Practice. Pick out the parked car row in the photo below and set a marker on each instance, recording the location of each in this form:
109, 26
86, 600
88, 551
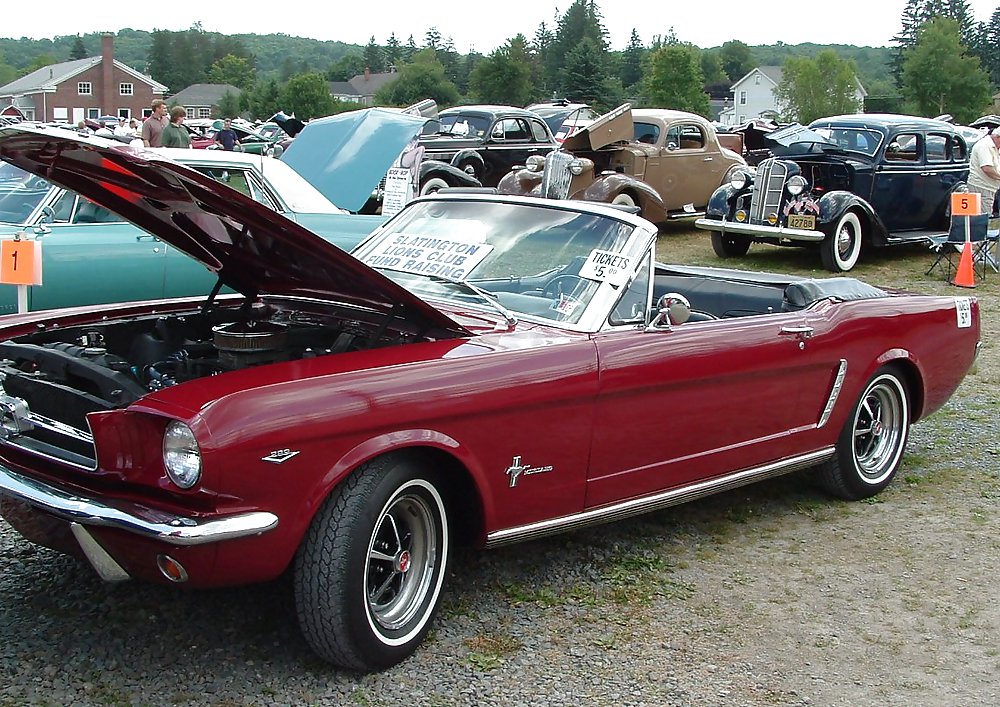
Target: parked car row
483, 369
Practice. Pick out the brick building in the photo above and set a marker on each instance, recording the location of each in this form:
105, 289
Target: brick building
83, 88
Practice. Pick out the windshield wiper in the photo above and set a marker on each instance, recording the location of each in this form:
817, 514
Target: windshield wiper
490, 298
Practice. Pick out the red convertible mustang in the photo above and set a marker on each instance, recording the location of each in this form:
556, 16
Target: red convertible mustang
484, 369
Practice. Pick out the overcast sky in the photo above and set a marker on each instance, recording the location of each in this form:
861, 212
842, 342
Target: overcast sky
484, 26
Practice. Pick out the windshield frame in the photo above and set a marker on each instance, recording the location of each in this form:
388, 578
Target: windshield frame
634, 236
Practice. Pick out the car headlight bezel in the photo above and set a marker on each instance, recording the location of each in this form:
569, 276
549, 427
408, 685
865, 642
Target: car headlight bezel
181, 455
740, 180
535, 163
796, 184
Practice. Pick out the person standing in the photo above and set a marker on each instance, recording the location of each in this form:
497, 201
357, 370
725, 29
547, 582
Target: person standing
984, 169
175, 134
227, 136
152, 127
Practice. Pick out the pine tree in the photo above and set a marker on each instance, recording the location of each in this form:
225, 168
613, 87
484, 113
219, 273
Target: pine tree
78, 51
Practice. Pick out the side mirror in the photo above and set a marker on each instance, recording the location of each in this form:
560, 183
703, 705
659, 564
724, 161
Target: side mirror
48, 215
671, 309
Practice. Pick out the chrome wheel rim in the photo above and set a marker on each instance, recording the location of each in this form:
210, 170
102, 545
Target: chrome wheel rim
402, 555
845, 241
879, 430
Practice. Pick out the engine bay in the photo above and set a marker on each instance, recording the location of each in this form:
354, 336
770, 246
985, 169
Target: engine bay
64, 373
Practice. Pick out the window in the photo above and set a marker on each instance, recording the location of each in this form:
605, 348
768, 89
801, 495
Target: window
903, 148
242, 182
125, 113
124, 89
538, 131
937, 148
743, 98
204, 112
93, 113
958, 148
84, 88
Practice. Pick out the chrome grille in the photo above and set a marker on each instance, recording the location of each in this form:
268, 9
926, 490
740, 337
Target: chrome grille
769, 185
27, 430
556, 178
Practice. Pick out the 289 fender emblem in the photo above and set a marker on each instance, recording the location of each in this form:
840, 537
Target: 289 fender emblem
279, 455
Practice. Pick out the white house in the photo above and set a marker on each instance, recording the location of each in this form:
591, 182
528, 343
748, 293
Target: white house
753, 96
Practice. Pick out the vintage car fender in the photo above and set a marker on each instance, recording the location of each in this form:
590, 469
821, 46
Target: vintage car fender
608, 185
719, 204
520, 181
835, 204
469, 156
429, 169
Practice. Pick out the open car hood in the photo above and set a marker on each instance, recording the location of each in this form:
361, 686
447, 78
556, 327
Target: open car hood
797, 134
612, 127
251, 248
345, 156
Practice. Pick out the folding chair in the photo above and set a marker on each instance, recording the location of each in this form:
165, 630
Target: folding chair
949, 246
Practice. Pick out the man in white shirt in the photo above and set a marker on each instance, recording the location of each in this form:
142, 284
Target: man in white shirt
984, 169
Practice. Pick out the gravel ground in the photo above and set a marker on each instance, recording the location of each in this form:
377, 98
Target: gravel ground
769, 595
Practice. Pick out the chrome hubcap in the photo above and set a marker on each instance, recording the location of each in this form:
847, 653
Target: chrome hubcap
878, 432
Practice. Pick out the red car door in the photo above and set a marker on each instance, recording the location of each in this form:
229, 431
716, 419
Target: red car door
704, 398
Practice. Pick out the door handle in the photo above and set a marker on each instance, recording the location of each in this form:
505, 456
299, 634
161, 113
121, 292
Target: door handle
147, 237
803, 332
707, 159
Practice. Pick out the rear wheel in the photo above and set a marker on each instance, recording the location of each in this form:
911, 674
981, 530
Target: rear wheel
871, 443
729, 246
433, 184
369, 573
626, 200
841, 248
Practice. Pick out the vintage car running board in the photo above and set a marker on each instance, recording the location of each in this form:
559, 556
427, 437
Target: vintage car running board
673, 497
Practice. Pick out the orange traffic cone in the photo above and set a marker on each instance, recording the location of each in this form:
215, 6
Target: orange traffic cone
965, 276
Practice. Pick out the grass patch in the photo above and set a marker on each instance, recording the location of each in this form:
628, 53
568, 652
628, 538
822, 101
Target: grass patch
488, 652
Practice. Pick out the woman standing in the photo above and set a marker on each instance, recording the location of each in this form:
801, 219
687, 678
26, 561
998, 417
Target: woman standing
175, 134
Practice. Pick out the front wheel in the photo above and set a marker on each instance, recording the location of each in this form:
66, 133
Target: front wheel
871, 443
729, 246
625, 200
369, 573
841, 248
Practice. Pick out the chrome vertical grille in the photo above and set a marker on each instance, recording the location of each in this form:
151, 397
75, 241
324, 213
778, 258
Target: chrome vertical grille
556, 178
769, 185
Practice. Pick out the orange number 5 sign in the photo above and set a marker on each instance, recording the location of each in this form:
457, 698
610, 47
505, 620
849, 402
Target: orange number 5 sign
965, 204
20, 262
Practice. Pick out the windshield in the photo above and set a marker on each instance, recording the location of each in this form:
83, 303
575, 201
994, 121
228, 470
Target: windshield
853, 139
541, 262
20, 194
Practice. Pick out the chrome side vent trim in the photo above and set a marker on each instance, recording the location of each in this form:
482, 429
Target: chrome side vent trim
838, 383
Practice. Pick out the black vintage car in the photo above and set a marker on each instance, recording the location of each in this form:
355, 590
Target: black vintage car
843, 182
486, 141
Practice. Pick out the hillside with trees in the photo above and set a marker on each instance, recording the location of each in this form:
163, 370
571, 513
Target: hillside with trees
571, 58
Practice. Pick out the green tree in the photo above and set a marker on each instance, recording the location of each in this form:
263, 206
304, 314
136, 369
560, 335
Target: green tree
229, 105
585, 78
674, 79
422, 78
632, 59
582, 20
374, 57
814, 88
737, 59
504, 76
307, 95
939, 76
265, 100
233, 70
346, 68
393, 52
78, 51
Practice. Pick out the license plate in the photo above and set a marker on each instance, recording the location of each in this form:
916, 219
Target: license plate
804, 221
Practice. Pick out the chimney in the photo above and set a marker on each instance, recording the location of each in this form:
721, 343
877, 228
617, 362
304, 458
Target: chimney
109, 91
368, 74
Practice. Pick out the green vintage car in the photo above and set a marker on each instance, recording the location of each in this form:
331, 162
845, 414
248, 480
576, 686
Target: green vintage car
92, 256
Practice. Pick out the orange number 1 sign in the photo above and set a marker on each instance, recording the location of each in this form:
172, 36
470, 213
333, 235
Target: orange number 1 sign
965, 203
20, 262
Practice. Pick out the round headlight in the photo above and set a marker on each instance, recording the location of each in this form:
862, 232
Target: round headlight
796, 185
576, 167
739, 180
181, 455
534, 163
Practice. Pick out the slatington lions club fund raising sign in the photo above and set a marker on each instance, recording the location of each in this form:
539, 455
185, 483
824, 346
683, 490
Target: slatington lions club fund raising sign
450, 258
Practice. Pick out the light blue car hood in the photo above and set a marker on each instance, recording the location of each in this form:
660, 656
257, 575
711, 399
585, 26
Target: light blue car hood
345, 156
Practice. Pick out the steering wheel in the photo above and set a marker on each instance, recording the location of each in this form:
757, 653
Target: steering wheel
560, 285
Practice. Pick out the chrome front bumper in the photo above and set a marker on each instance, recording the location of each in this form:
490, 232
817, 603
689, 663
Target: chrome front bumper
757, 231
132, 517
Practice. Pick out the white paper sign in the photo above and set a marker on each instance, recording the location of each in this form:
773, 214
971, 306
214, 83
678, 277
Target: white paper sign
398, 190
607, 266
963, 309
451, 258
